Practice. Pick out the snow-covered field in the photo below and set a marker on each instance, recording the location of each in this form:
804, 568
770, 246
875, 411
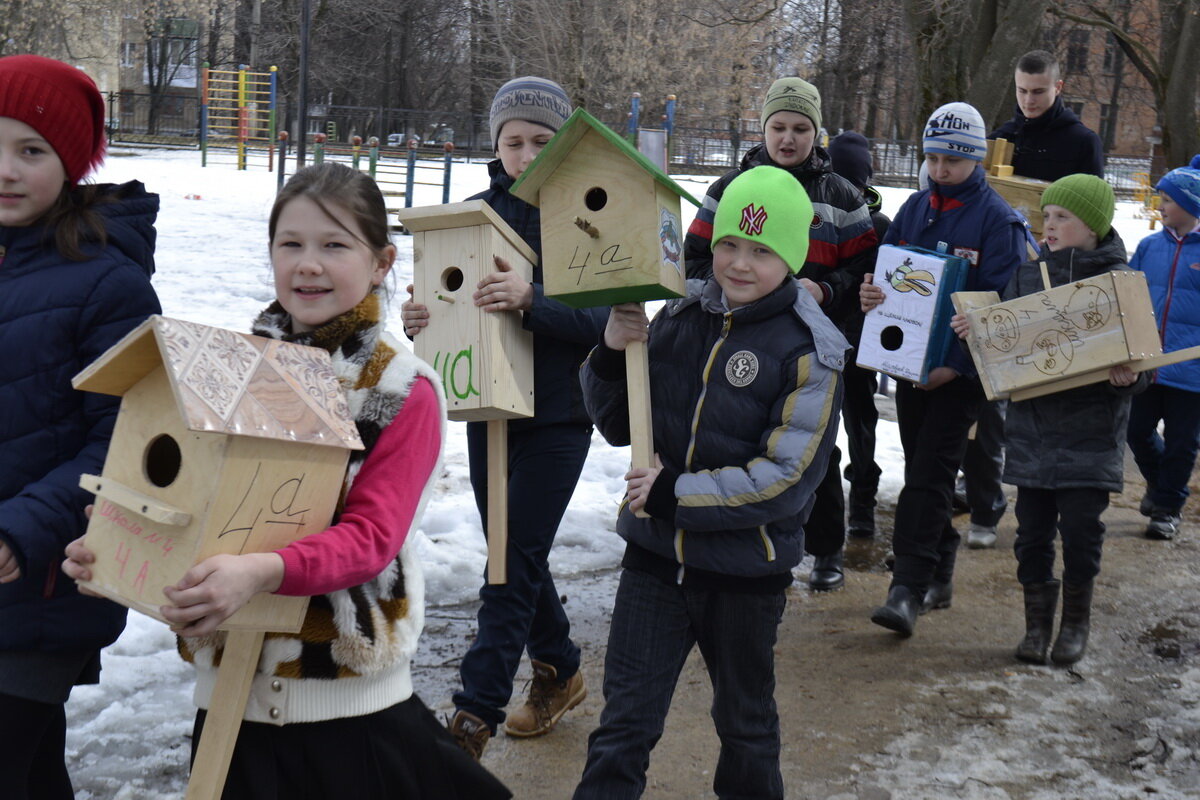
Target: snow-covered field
128, 737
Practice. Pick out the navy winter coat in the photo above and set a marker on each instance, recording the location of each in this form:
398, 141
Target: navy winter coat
562, 336
1076, 438
56, 317
1052, 146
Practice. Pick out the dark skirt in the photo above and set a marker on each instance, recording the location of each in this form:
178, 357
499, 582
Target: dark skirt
400, 753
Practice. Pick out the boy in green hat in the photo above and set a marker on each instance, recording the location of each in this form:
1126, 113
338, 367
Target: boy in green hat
745, 376
1066, 451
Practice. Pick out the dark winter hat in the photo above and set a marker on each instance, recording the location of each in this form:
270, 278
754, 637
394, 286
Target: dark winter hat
1086, 196
792, 94
850, 154
59, 102
1183, 186
766, 204
956, 129
531, 99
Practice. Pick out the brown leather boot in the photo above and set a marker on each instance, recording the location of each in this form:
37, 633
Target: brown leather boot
470, 732
549, 698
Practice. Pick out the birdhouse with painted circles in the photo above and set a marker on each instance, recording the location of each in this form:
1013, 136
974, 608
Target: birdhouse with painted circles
224, 443
485, 359
611, 230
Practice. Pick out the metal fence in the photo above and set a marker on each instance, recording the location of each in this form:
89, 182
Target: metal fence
141, 118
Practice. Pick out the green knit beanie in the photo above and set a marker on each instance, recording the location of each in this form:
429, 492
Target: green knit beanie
793, 94
1087, 197
767, 205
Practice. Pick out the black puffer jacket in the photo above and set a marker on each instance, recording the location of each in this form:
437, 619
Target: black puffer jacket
1052, 146
1075, 438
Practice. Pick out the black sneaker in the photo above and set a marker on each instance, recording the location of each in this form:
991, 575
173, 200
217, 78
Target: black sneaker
1163, 526
1146, 507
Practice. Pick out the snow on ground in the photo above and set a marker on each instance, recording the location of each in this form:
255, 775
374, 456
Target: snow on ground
128, 736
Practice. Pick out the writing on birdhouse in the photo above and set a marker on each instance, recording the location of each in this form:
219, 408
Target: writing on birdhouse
1048, 336
485, 359
224, 443
611, 229
909, 333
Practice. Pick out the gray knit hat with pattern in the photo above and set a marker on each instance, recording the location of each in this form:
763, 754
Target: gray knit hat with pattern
531, 99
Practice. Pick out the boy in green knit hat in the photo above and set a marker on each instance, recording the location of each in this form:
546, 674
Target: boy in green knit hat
745, 373
1066, 451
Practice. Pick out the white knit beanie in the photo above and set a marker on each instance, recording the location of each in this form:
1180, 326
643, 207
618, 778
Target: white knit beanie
956, 129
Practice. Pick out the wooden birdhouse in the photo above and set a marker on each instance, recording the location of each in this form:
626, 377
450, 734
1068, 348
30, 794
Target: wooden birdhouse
611, 231
909, 333
224, 443
1028, 346
1023, 194
485, 359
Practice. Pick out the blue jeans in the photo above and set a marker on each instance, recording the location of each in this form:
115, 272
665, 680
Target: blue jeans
654, 627
1166, 461
526, 612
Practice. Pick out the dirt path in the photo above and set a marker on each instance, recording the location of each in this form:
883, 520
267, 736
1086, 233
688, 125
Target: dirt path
946, 714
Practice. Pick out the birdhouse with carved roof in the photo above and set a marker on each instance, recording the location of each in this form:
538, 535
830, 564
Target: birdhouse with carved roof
485, 360
611, 230
224, 443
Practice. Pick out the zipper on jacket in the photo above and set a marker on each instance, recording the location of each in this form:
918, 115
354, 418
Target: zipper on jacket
1162, 328
768, 545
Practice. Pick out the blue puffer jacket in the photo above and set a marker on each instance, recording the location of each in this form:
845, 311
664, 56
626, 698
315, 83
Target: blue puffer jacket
745, 406
1172, 267
56, 317
562, 336
975, 223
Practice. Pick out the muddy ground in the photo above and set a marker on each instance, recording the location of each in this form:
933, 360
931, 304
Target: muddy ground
946, 714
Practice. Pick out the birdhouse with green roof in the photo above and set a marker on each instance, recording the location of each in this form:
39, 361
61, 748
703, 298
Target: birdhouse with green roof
611, 230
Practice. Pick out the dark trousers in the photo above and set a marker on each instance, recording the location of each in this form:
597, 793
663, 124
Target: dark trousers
525, 613
1075, 515
1166, 461
32, 743
825, 529
933, 432
859, 417
654, 627
983, 465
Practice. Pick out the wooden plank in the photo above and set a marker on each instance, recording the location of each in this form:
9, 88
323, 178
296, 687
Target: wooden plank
463, 215
224, 718
125, 363
134, 500
497, 501
641, 426
1141, 365
964, 303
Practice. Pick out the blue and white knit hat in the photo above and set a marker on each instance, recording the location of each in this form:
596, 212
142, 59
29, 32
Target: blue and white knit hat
1183, 186
956, 129
532, 99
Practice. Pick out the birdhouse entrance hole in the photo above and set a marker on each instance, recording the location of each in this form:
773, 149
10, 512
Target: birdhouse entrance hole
595, 199
891, 338
163, 460
452, 279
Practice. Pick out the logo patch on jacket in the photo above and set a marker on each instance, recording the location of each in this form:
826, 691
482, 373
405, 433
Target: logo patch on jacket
742, 368
969, 253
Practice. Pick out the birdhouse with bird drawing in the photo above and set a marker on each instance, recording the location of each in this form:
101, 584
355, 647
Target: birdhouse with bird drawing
485, 359
611, 230
224, 443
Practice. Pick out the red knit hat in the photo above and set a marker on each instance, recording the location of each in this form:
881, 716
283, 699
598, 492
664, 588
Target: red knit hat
61, 103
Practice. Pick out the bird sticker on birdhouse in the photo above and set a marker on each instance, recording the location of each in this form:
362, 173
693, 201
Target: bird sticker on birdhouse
485, 360
224, 443
611, 228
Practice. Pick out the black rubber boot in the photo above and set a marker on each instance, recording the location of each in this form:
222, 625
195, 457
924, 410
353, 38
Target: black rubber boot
899, 613
861, 517
1076, 623
1041, 601
828, 572
938, 595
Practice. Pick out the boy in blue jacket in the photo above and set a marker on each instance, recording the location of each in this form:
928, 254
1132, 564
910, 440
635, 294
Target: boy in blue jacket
1171, 261
960, 214
746, 387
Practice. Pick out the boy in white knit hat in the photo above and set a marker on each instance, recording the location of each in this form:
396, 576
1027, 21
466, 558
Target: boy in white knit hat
960, 214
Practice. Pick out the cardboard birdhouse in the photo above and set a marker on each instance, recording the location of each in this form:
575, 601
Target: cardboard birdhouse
909, 333
485, 359
611, 231
1023, 194
1057, 334
224, 443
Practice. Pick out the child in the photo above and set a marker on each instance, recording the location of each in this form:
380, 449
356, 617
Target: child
1171, 261
1066, 450
341, 689
545, 454
842, 244
962, 214
746, 391
75, 277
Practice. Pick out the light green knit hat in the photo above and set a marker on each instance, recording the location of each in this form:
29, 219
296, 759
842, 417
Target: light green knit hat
792, 94
768, 205
1087, 197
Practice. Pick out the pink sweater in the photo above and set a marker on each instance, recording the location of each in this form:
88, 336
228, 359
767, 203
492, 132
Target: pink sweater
379, 508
